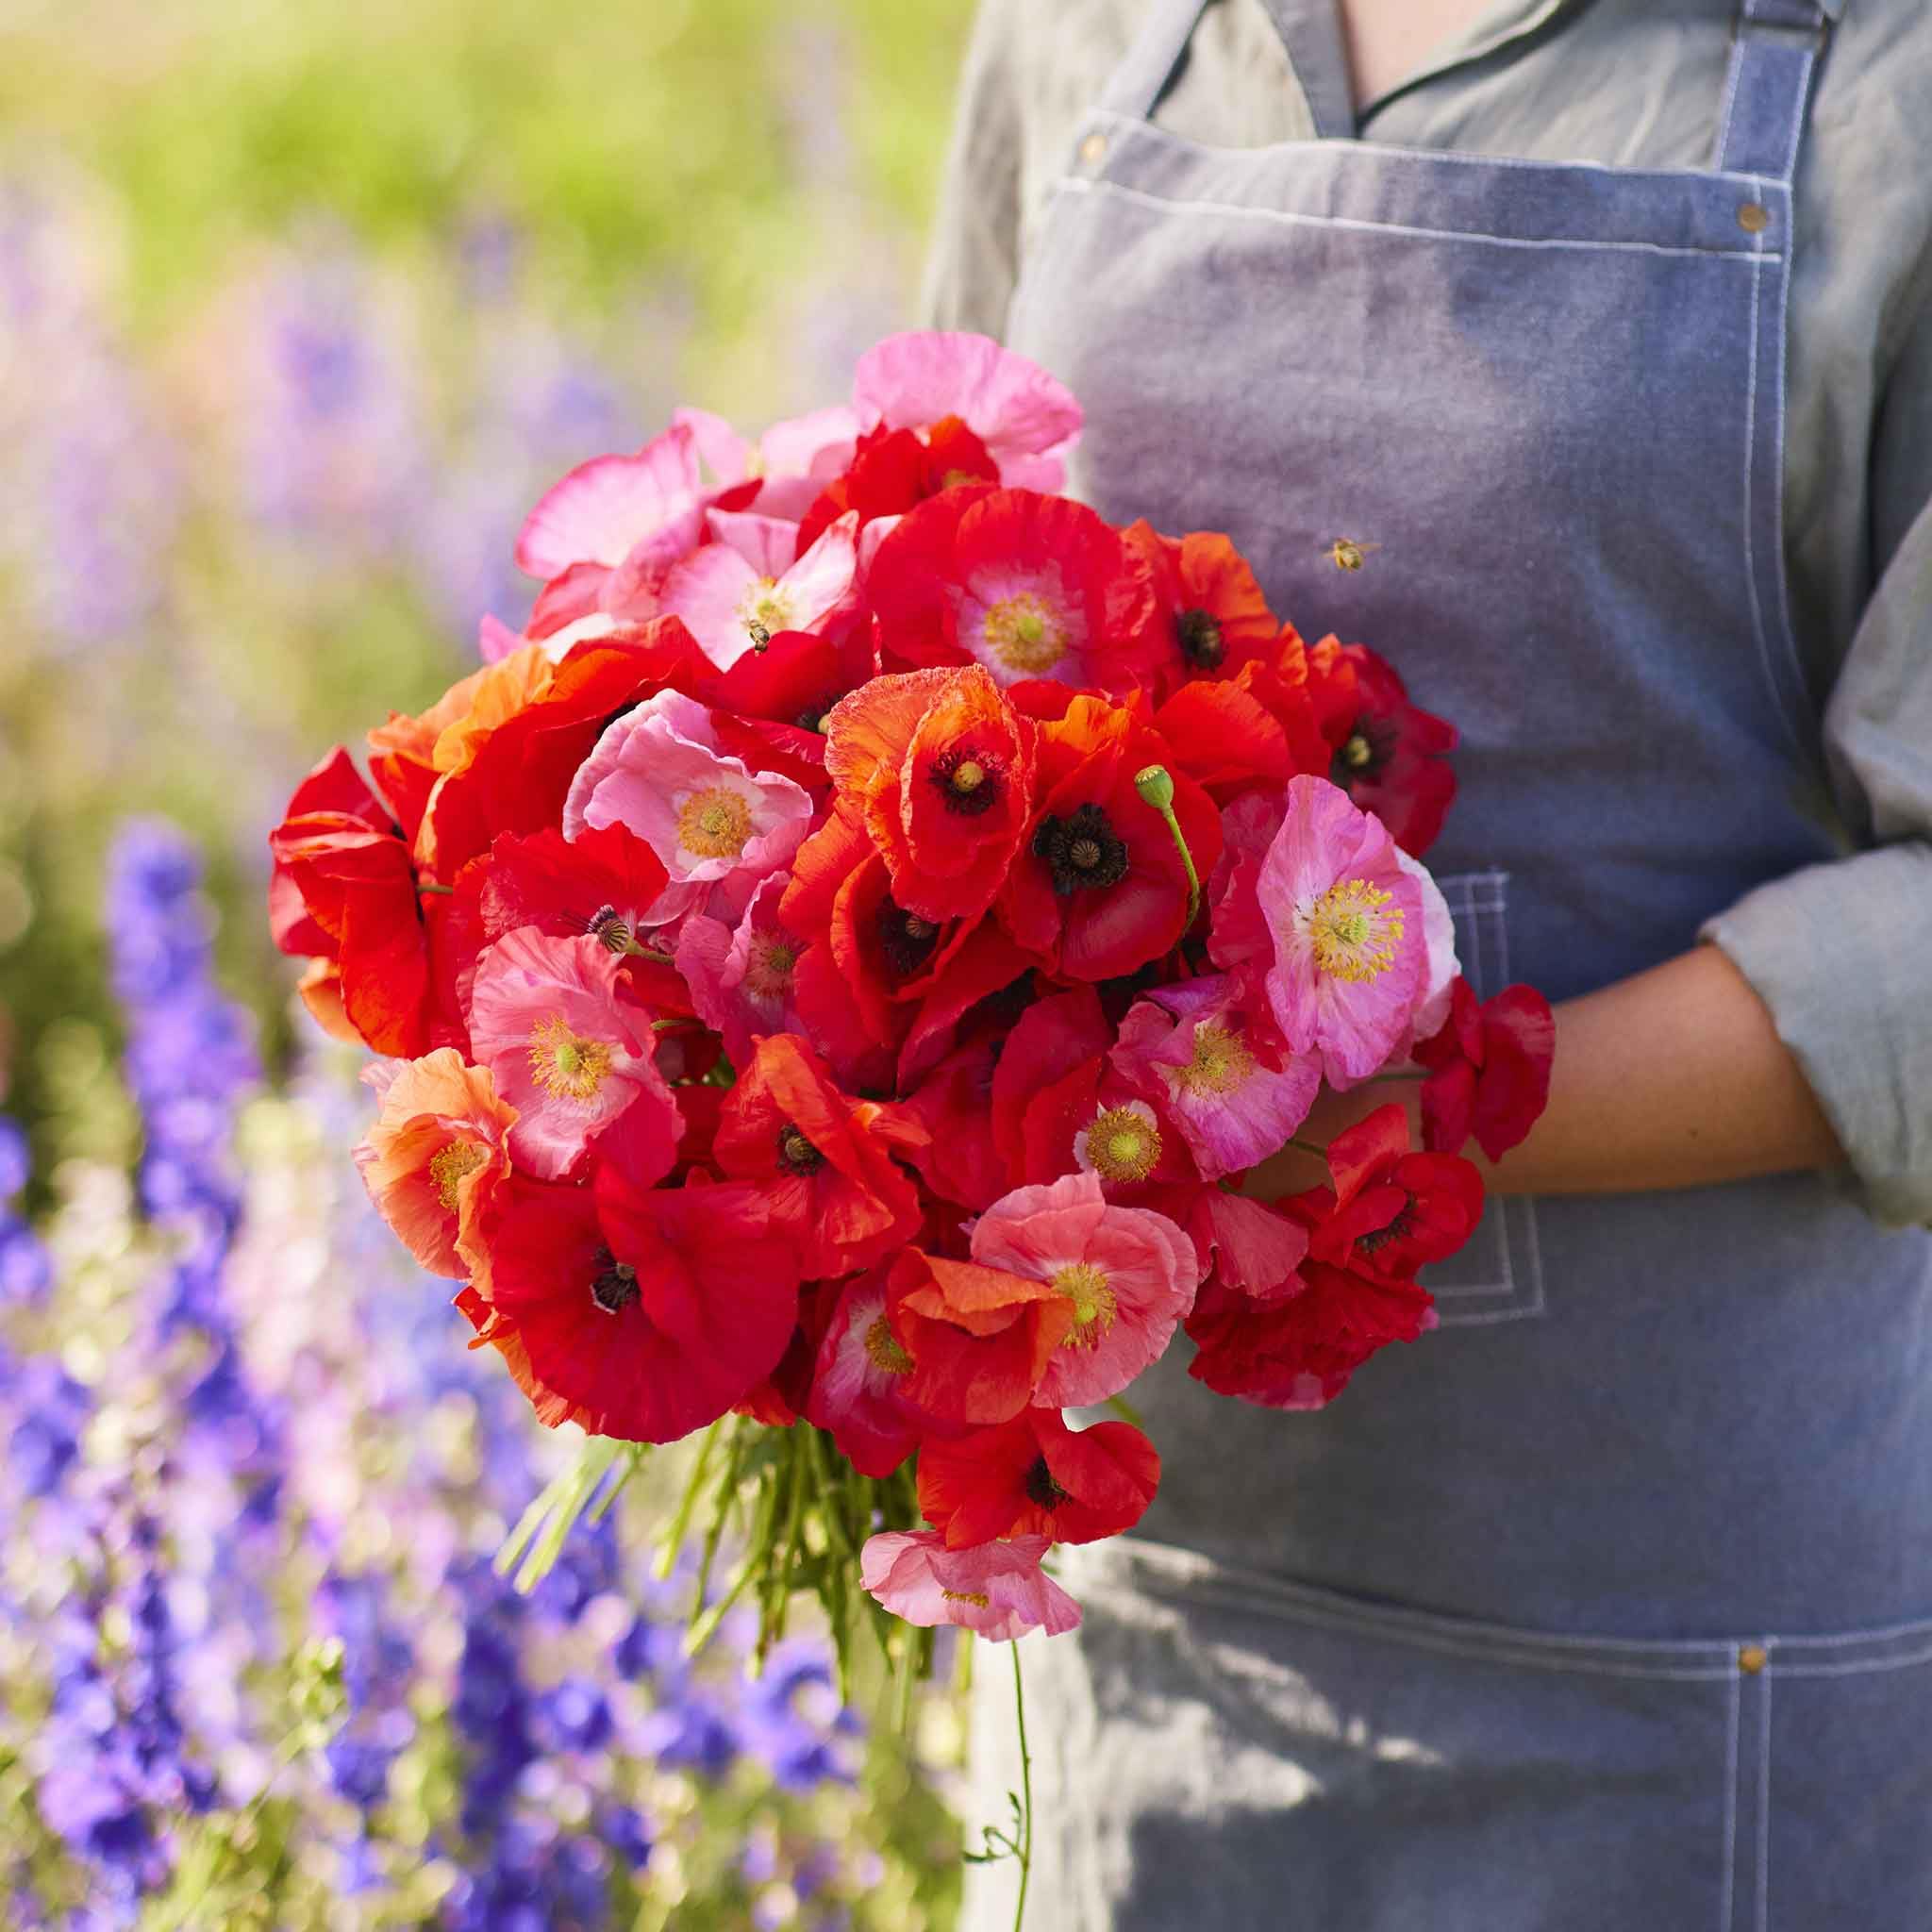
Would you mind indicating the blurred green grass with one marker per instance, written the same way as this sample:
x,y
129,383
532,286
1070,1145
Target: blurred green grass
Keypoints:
x,y
690,184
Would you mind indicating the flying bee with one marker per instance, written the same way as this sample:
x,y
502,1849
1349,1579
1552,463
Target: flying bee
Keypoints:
x,y
1346,554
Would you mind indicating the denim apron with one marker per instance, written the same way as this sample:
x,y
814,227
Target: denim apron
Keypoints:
x,y
1608,1605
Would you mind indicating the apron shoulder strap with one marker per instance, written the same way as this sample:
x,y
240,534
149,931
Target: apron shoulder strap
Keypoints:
x,y
1774,50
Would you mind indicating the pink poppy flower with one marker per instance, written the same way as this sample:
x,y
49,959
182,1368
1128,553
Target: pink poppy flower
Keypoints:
x,y
572,1051
1431,1011
743,982
792,462
739,593
607,510
1189,1046
1027,421
995,1590
658,772
1129,1275
857,1380
1334,926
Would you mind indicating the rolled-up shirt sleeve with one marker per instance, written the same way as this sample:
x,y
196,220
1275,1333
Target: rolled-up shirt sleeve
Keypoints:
x,y
1841,953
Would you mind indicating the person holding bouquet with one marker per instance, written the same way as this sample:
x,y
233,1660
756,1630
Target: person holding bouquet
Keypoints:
x,y
1584,365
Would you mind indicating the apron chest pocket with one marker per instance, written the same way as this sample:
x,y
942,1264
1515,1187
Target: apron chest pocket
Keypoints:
x,y
1498,1276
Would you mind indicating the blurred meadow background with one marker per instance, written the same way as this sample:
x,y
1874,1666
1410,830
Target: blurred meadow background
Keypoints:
x,y
300,307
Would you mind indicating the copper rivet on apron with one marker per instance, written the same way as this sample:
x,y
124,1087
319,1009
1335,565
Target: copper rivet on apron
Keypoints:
x,y
1753,218
1752,1659
1092,148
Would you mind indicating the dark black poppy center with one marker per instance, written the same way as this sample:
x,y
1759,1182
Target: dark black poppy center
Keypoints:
x,y
796,1154
1198,633
1399,1228
812,718
614,1287
1081,850
1041,1487
1364,752
906,939
968,779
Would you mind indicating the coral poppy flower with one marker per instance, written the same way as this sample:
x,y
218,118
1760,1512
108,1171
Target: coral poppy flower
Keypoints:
x,y
658,772
1298,1352
1026,420
1127,1273
738,594
344,890
833,1190
1332,925
1189,1045
435,1154
572,1051
509,767
980,1337
1390,1212
942,767
1210,605
1034,1475
995,1589
858,1381
1029,586
1225,738
1393,761
1250,1248
639,1313
895,470
1102,888
743,980
1489,1070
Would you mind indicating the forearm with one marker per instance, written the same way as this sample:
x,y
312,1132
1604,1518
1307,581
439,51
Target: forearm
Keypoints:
x,y
1673,1078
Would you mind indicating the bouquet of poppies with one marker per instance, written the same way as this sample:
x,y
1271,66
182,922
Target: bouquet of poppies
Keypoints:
x,y
833,972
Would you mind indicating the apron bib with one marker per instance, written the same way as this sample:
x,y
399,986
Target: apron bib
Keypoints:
x,y
1493,1642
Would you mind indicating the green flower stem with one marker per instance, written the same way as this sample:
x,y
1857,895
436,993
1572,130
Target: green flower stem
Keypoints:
x,y
1313,1148
1125,1411
1026,1791
1155,784
673,1539
424,886
724,1498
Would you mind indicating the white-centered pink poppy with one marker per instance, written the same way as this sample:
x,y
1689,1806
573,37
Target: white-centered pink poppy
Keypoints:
x,y
1130,1275
611,507
572,1051
738,594
658,772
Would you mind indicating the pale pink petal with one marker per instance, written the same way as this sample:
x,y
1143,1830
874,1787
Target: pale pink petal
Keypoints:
x,y
767,543
998,1589
605,507
1013,406
742,981
713,590
817,583
725,452
816,445
495,640
1438,932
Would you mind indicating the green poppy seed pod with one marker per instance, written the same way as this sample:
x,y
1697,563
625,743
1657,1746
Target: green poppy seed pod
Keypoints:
x,y
1156,786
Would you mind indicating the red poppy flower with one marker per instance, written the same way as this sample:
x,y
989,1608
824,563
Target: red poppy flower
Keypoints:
x,y
1029,586
942,768
980,1339
1490,1069
770,707
1393,759
639,1313
1390,1212
832,1187
1034,1475
953,1104
344,890
1101,887
1299,1351
895,470
1211,605
875,977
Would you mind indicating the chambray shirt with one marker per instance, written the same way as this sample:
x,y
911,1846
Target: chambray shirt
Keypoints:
x,y
1841,952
